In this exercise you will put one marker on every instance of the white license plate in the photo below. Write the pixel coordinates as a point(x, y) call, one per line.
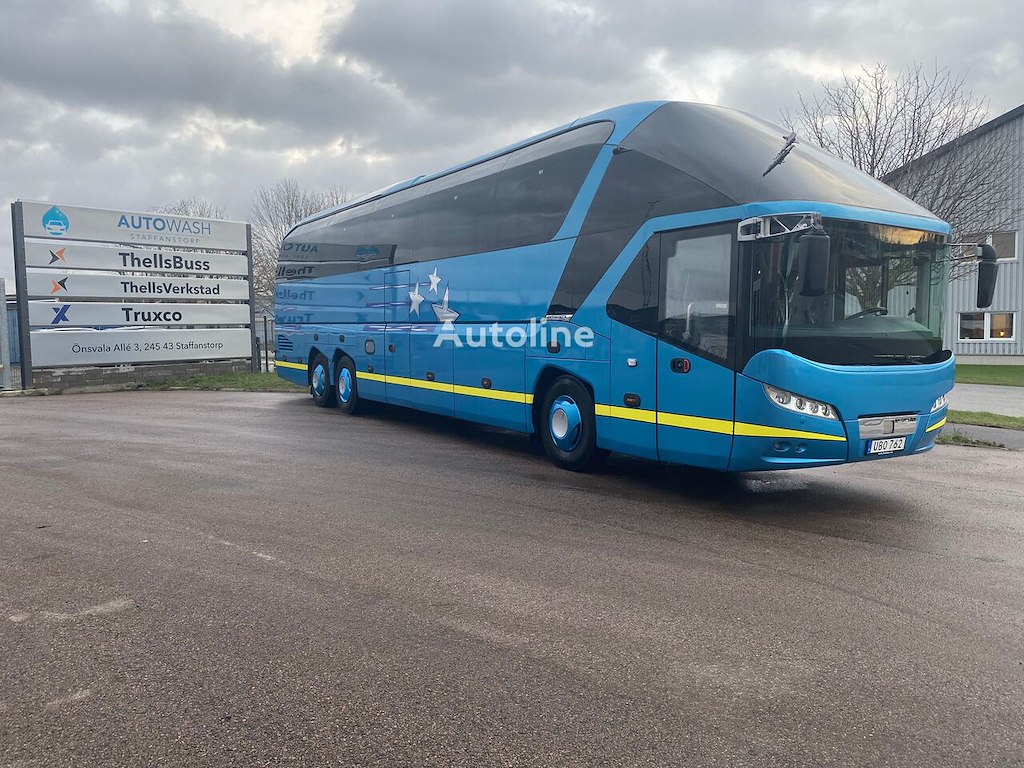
point(888, 445)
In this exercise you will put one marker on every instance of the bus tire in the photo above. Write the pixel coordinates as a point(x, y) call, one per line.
point(568, 428)
point(346, 392)
point(320, 381)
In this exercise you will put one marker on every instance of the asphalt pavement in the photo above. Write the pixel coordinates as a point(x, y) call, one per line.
point(193, 578)
point(1008, 401)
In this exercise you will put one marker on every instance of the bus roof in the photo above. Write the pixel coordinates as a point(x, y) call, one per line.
point(725, 149)
point(626, 117)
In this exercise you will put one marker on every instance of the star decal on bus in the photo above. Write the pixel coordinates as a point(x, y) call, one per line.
point(435, 280)
point(415, 299)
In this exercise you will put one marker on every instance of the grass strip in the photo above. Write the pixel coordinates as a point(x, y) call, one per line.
point(985, 419)
point(241, 382)
point(1004, 375)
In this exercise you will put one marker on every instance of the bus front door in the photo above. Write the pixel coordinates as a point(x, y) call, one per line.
point(396, 336)
point(695, 384)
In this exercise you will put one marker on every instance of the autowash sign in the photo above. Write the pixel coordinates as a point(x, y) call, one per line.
point(113, 226)
point(111, 287)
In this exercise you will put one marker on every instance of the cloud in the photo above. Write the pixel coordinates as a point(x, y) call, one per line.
point(129, 103)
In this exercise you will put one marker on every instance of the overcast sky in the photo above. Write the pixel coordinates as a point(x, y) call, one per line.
point(139, 103)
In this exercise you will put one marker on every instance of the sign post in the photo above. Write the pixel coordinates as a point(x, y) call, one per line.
point(102, 287)
point(254, 342)
point(5, 347)
point(21, 288)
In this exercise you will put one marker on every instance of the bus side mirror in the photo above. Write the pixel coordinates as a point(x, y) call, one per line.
point(987, 271)
point(813, 253)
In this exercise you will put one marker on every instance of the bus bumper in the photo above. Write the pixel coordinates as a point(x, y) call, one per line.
point(768, 437)
point(751, 453)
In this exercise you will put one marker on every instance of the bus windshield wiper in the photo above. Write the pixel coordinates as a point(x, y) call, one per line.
point(786, 149)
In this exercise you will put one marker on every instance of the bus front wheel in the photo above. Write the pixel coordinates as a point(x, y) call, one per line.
point(568, 429)
point(320, 381)
point(346, 392)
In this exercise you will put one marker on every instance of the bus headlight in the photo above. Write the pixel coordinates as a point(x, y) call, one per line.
point(800, 404)
point(940, 402)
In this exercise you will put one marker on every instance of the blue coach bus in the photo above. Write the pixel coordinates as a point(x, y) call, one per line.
point(675, 281)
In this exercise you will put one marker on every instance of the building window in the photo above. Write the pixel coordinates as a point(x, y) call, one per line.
point(1000, 325)
point(1005, 243)
point(987, 326)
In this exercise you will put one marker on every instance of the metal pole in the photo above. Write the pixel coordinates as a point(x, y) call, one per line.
point(21, 286)
point(266, 343)
point(5, 346)
point(255, 350)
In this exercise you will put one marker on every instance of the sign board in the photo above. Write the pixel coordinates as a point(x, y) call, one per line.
point(94, 314)
point(83, 347)
point(60, 284)
point(59, 255)
point(105, 287)
point(70, 222)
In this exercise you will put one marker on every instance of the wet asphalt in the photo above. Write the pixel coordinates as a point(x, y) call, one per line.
point(196, 578)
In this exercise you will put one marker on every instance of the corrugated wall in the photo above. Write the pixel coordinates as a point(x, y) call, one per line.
point(12, 332)
point(1009, 296)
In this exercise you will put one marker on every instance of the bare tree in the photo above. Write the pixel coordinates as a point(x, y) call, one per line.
point(274, 211)
point(199, 207)
point(916, 131)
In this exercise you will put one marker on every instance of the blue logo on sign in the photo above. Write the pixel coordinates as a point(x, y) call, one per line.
point(55, 222)
point(61, 313)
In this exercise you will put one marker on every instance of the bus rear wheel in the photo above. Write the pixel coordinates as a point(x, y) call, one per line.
point(346, 391)
point(320, 381)
point(568, 428)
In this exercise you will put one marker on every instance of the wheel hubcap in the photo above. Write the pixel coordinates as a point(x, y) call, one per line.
point(566, 423)
point(344, 385)
point(319, 380)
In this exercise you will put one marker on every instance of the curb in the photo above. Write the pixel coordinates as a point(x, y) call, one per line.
point(99, 388)
point(89, 390)
point(1010, 439)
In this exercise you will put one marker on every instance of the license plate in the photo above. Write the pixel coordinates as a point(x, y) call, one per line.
point(888, 445)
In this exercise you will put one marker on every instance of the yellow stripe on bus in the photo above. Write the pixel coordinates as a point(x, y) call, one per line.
point(758, 430)
point(700, 423)
point(441, 386)
point(705, 424)
point(631, 414)
point(495, 394)
point(662, 418)
point(937, 425)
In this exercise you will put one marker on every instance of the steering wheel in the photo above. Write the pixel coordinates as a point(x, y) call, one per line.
point(869, 311)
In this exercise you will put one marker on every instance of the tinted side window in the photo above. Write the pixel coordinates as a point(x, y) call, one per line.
point(396, 225)
point(634, 301)
point(590, 258)
point(451, 222)
point(332, 247)
point(519, 198)
point(636, 187)
point(533, 198)
point(697, 306)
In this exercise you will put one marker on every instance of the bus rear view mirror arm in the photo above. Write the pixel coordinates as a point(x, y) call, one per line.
point(813, 250)
point(988, 269)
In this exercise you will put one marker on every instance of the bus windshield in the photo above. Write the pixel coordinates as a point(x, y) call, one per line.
point(884, 304)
